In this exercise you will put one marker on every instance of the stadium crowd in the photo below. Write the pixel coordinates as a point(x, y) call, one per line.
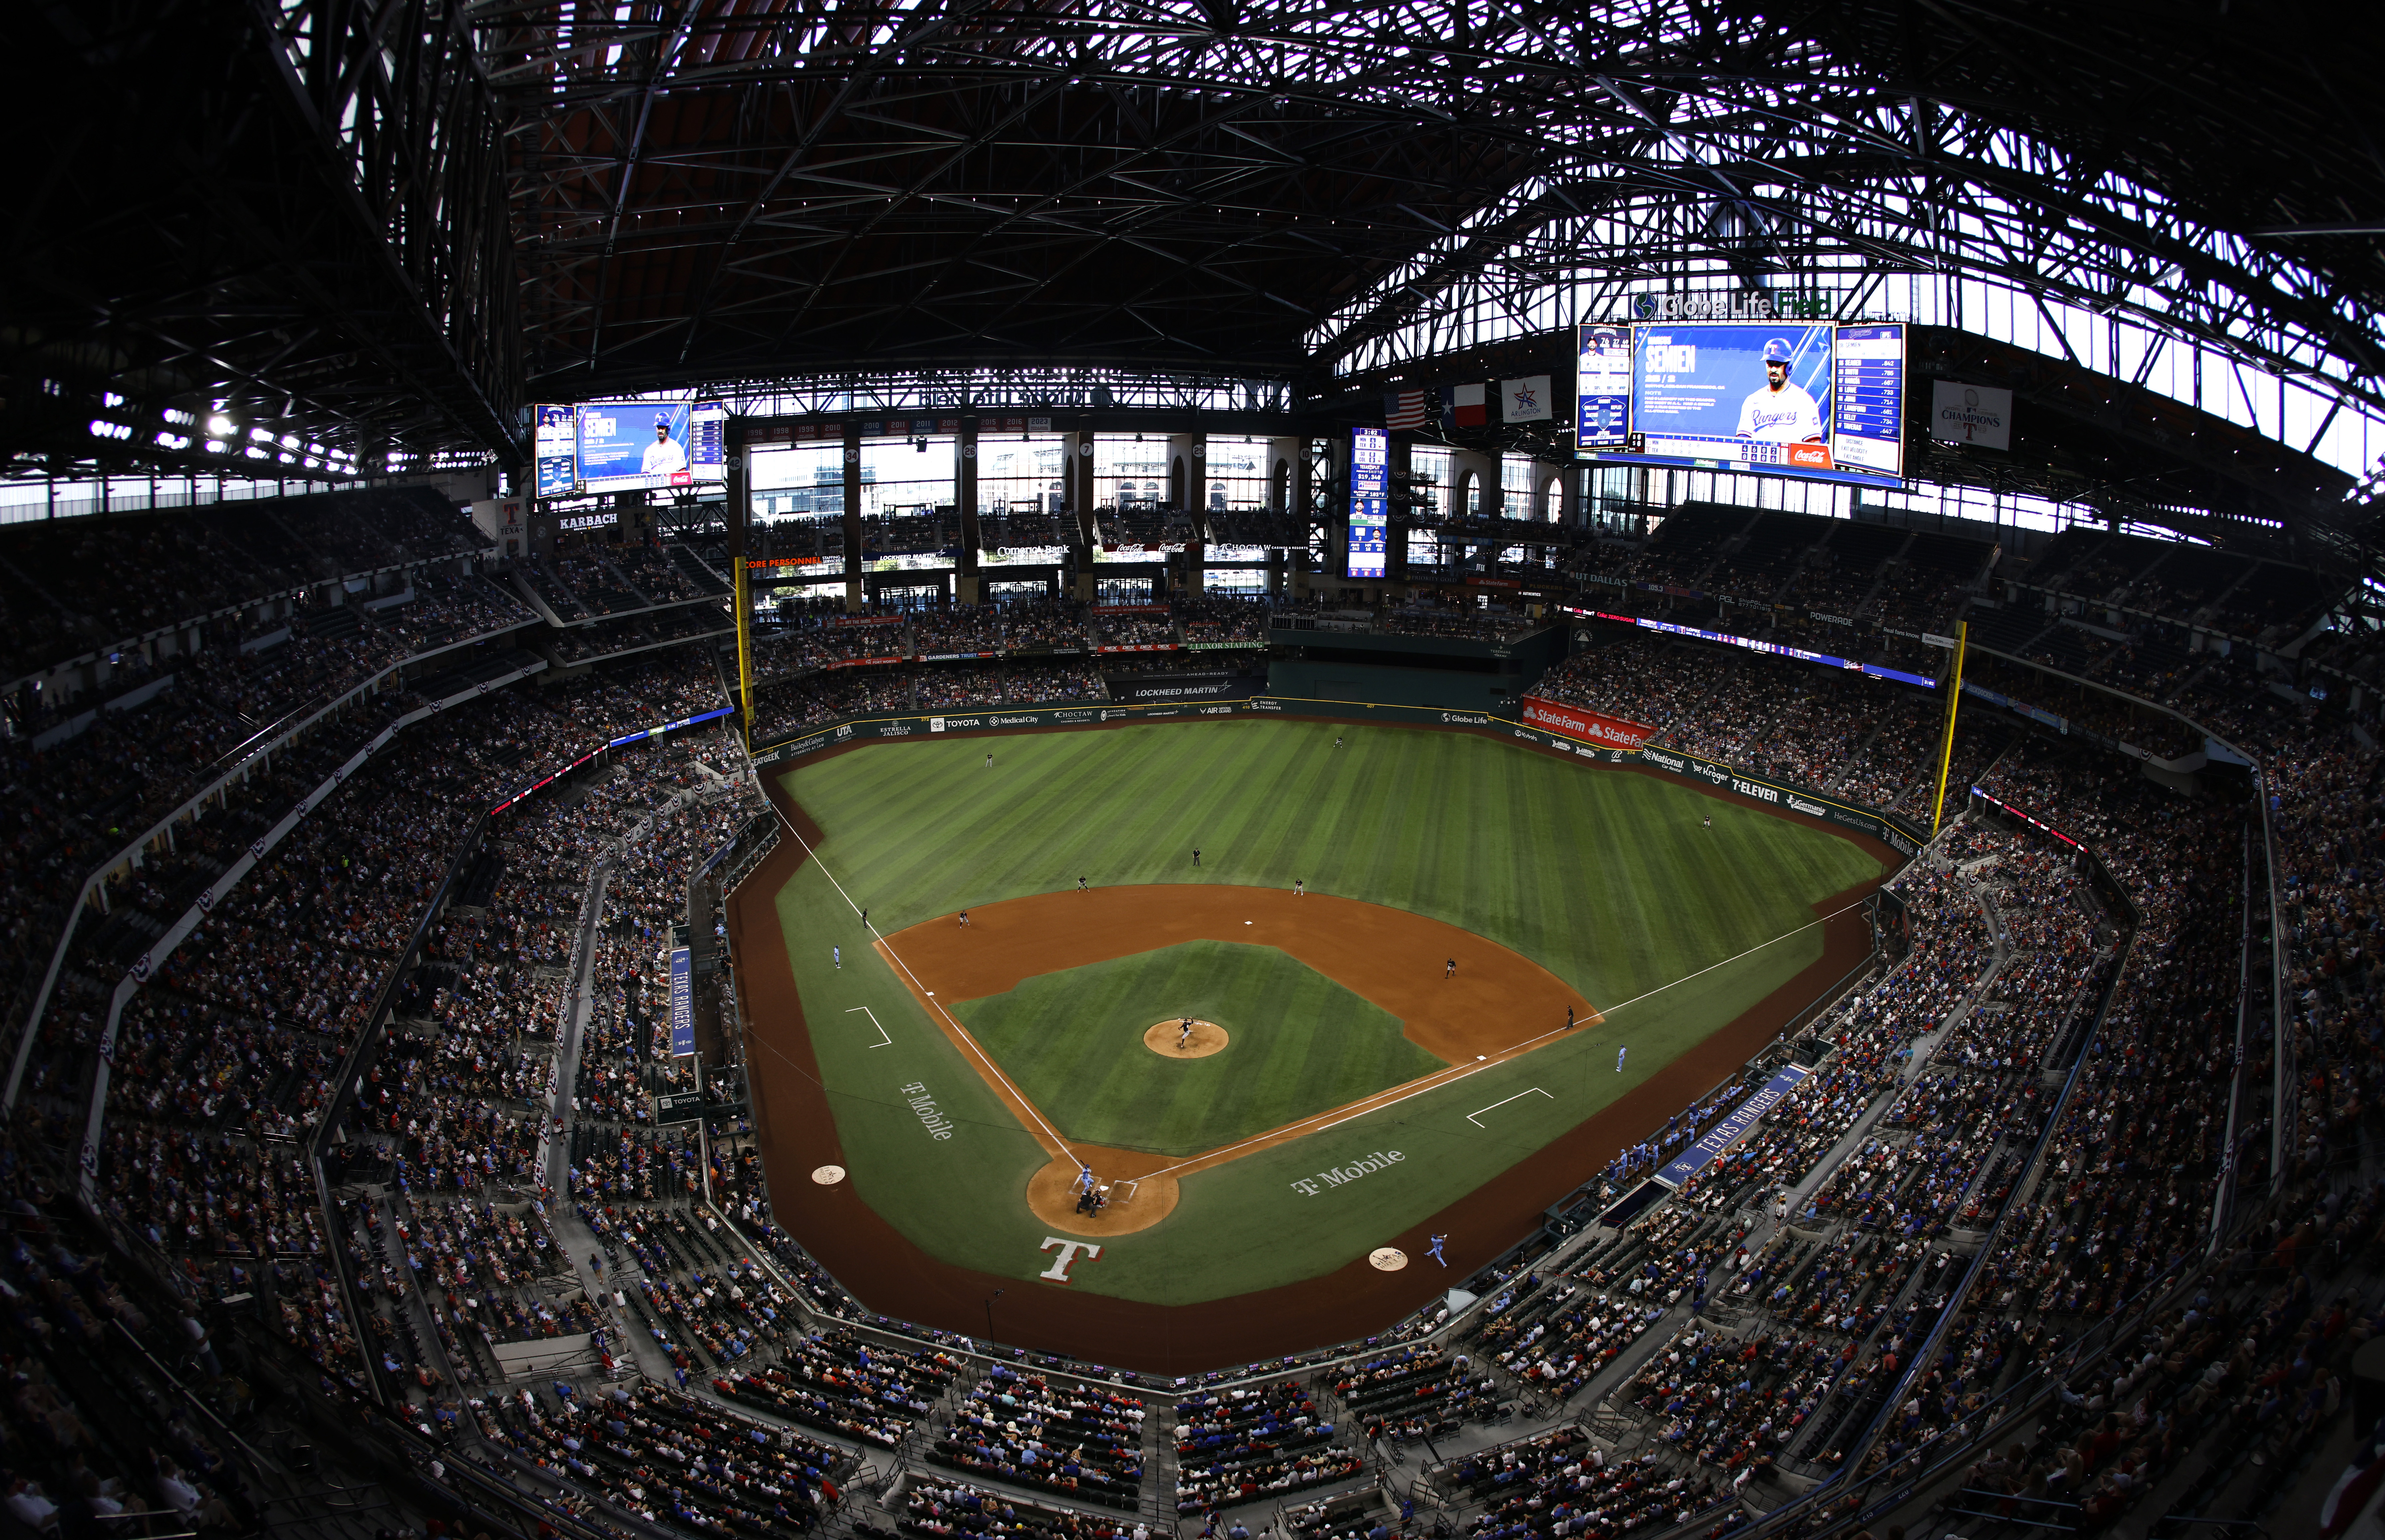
point(1935, 1087)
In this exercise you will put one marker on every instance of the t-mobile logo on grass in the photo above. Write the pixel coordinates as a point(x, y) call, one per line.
point(1340, 1175)
point(929, 1113)
point(1058, 1271)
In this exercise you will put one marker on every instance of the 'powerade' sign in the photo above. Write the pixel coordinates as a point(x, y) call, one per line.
point(682, 1004)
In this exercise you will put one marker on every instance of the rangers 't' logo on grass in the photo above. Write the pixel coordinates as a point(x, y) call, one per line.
point(1058, 1271)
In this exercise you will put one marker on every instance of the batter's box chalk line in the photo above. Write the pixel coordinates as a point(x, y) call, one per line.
point(1475, 1117)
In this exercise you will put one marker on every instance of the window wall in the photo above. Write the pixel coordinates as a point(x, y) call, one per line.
point(1626, 488)
point(1518, 474)
point(1130, 470)
point(1237, 473)
point(1020, 473)
point(1432, 464)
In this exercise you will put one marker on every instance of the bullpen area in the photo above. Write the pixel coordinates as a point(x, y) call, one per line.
point(1421, 983)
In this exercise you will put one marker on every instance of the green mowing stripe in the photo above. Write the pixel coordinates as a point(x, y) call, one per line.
point(963, 1198)
point(1298, 1044)
point(941, 1193)
point(1607, 878)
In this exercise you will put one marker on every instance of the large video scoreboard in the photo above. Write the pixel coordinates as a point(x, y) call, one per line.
point(1814, 399)
point(619, 446)
point(1371, 501)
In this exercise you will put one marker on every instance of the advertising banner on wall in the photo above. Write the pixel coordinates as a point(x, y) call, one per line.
point(682, 1004)
point(1134, 688)
point(1612, 731)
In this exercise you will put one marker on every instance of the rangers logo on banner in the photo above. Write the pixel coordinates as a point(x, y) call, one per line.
point(141, 968)
point(206, 901)
point(257, 849)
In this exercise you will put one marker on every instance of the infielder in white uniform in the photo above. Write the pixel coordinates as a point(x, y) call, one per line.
point(1781, 413)
point(662, 457)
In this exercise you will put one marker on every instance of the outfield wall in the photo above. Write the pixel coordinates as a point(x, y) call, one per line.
point(1902, 835)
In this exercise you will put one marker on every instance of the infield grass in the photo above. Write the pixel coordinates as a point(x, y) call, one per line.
point(1297, 1043)
point(1607, 878)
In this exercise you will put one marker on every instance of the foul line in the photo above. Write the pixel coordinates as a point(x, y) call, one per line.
point(876, 1023)
point(1285, 1133)
point(1475, 1117)
point(1445, 1077)
point(963, 1033)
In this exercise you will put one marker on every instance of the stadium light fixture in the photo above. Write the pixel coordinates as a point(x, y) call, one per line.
point(221, 427)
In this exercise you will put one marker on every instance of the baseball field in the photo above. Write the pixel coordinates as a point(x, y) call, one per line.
point(1346, 1029)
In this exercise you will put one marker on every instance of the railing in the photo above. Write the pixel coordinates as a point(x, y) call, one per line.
point(219, 777)
point(365, 1049)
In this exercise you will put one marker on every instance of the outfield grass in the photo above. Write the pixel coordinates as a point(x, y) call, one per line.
point(1297, 1043)
point(1605, 877)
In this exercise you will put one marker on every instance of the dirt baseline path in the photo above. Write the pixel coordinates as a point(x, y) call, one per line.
point(1463, 999)
point(796, 1129)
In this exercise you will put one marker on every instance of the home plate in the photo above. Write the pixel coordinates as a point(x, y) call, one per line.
point(828, 1176)
point(1387, 1259)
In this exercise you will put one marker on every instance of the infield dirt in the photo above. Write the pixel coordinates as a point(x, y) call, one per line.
point(868, 1255)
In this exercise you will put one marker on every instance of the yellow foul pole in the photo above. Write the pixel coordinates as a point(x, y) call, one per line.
point(745, 655)
point(1954, 705)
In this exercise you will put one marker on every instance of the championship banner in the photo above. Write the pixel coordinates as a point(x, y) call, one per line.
point(1612, 732)
point(1960, 414)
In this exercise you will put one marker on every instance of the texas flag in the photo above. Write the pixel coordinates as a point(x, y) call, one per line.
point(1464, 406)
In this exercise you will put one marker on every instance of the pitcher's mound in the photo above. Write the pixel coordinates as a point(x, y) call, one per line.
point(1161, 1038)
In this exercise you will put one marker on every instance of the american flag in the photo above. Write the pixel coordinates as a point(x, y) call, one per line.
point(1405, 408)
